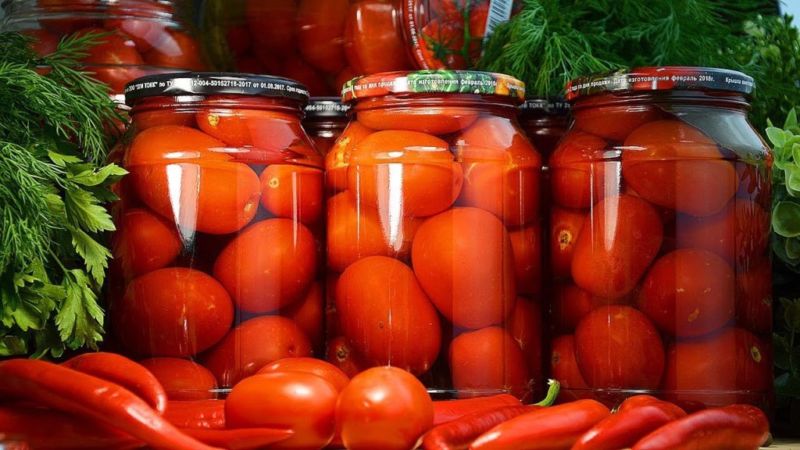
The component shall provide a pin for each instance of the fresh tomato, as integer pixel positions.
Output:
(571, 304)
(254, 344)
(385, 408)
(565, 227)
(177, 50)
(342, 355)
(620, 240)
(338, 157)
(688, 293)
(526, 244)
(724, 368)
(42, 41)
(432, 120)
(318, 367)
(618, 347)
(525, 325)
(320, 33)
(172, 312)
(667, 160)
(272, 25)
(267, 130)
(308, 315)
(172, 143)
(754, 298)
(488, 361)
(373, 41)
(182, 379)
(614, 123)
(464, 260)
(268, 266)
(416, 167)
(292, 191)
(140, 24)
(578, 175)
(564, 368)
(302, 402)
(144, 242)
(386, 316)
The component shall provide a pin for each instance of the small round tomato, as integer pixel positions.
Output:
(571, 304)
(728, 367)
(564, 368)
(266, 130)
(144, 242)
(338, 157)
(291, 191)
(308, 315)
(526, 244)
(431, 120)
(385, 408)
(254, 344)
(42, 41)
(618, 347)
(373, 40)
(488, 361)
(176, 50)
(614, 123)
(408, 166)
(578, 173)
(182, 379)
(172, 312)
(112, 49)
(525, 326)
(172, 143)
(688, 293)
(565, 227)
(386, 316)
(272, 24)
(318, 367)
(754, 298)
(342, 355)
(268, 266)
(464, 261)
(667, 160)
(320, 30)
(620, 240)
(302, 402)
(144, 25)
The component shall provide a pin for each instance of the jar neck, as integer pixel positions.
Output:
(500, 106)
(711, 99)
(194, 103)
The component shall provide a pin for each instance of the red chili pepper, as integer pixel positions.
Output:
(197, 414)
(636, 417)
(447, 410)
(240, 439)
(554, 428)
(70, 391)
(734, 427)
(124, 372)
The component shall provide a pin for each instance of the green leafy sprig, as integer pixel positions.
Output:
(786, 191)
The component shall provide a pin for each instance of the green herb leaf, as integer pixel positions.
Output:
(92, 176)
(80, 320)
(94, 255)
(786, 219)
(84, 211)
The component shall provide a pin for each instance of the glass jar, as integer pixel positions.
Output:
(659, 240)
(146, 37)
(326, 118)
(545, 122)
(218, 242)
(433, 233)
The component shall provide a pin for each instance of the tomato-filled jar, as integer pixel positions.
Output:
(135, 37)
(433, 233)
(326, 118)
(219, 227)
(545, 122)
(659, 240)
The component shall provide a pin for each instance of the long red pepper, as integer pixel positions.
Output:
(637, 417)
(198, 414)
(70, 391)
(734, 427)
(447, 410)
(240, 439)
(554, 428)
(124, 372)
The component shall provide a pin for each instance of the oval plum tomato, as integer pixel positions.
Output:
(373, 40)
(145, 23)
(754, 298)
(577, 173)
(525, 326)
(254, 344)
(144, 242)
(302, 402)
(564, 368)
(272, 24)
(464, 261)
(342, 355)
(502, 171)
(431, 120)
(614, 123)
(356, 232)
(565, 227)
(488, 360)
(414, 168)
(182, 379)
(385, 408)
(666, 160)
(42, 41)
(267, 130)
(618, 347)
(116, 49)
(729, 367)
(308, 315)
(268, 266)
(292, 191)
(611, 256)
(173, 143)
(318, 367)
(571, 304)
(176, 50)
(526, 244)
(688, 293)
(386, 316)
(172, 312)
(320, 33)
(214, 197)
(338, 157)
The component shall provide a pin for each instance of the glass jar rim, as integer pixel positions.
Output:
(321, 108)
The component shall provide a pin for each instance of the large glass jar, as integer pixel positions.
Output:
(142, 37)
(326, 118)
(545, 122)
(659, 240)
(433, 233)
(218, 242)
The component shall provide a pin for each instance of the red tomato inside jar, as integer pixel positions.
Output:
(659, 238)
(434, 233)
(218, 242)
